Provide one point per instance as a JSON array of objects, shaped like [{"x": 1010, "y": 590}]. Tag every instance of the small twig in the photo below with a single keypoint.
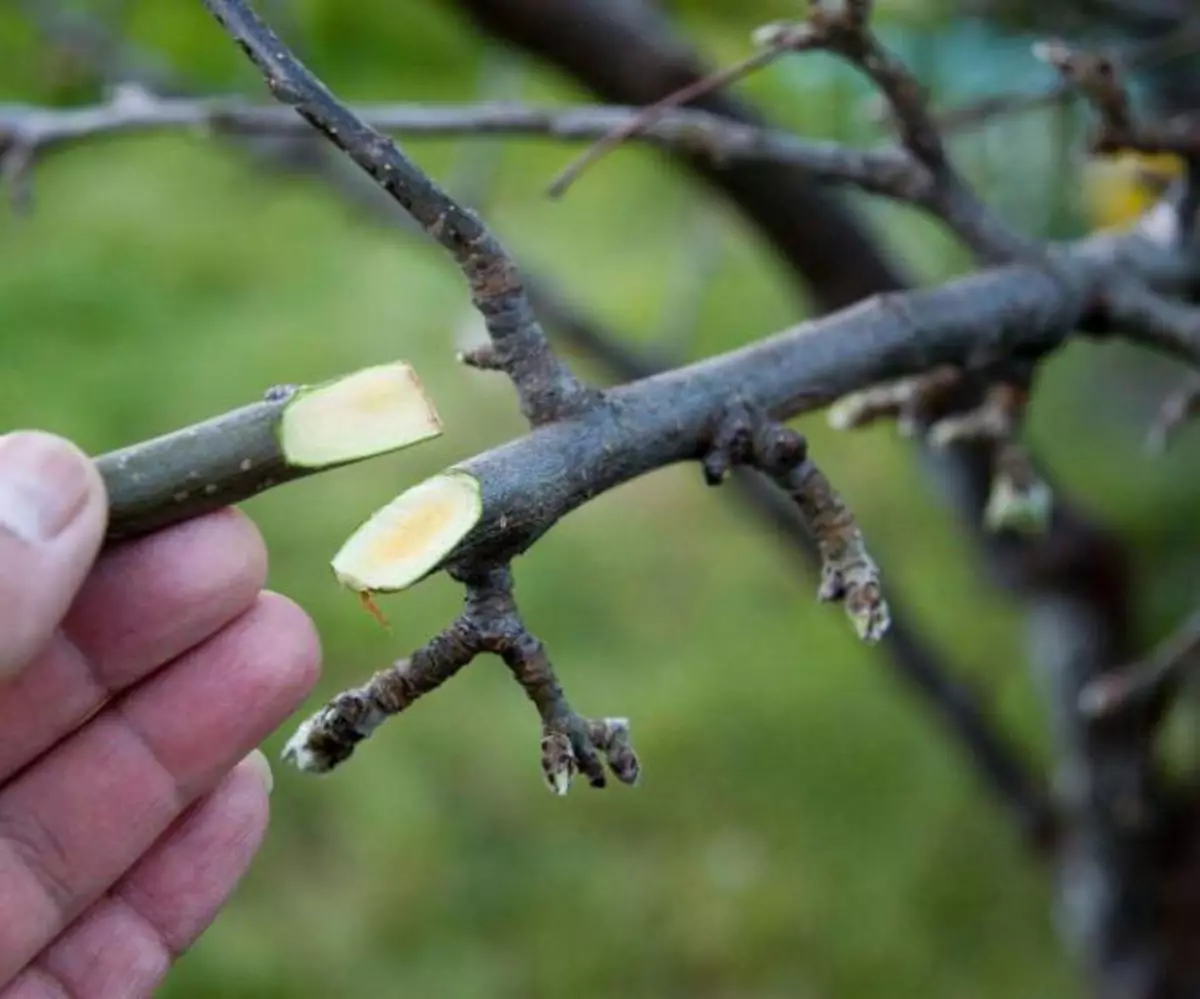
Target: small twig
[
  {"x": 844, "y": 30},
  {"x": 489, "y": 622},
  {"x": 1177, "y": 409},
  {"x": 1020, "y": 499},
  {"x": 848, "y": 573},
  {"x": 911, "y": 402},
  {"x": 654, "y": 113},
  {"x": 547, "y": 389},
  {"x": 1149, "y": 685}
]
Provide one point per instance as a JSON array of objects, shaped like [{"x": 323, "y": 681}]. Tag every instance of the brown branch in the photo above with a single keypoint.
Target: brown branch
[
  {"x": 848, "y": 573},
  {"x": 1148, "y": 686},
  {"x": 546, "y": 388}
]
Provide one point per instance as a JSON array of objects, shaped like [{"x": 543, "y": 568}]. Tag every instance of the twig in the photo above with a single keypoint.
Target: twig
[
  {"x": 930, "y": 405},
  {"x": 911, "y": 402},
  {"x": 987, "y": 109},
  {"x": 547, "y": 389},
  {"x": 1177, "y": 409},
  {"x": 744, "y": 436},
  {"x": 489, "y": 622},
  {"x": 1149, "y": 685},
  {"x": 641, "y": 122}
]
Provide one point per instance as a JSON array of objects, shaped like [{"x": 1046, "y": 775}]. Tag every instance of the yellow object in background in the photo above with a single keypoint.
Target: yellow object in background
[{"x": 1120, "y": 188}]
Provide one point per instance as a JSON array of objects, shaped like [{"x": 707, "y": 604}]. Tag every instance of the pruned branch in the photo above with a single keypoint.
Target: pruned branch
[{"x": 292, "y": 433}]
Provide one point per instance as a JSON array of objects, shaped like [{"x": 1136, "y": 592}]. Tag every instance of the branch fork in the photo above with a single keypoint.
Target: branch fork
[{"x": 570, "y": 743}]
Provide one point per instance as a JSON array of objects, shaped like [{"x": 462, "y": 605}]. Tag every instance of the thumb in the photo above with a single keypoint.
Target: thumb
[{"x": 52, "y": 518}]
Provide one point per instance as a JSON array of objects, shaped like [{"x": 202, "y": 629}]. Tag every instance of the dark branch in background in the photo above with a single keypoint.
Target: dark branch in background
[
  {"x": 629, "y": 54},
  {"x": 546, "y": 388},
  {"x": 844, "y": 31}
]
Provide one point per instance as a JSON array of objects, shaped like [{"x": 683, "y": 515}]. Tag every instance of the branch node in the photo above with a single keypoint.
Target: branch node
[{"x": 482, "y": 358}]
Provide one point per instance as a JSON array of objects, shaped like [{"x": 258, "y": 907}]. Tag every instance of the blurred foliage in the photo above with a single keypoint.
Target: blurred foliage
[{"x": 802, "y": 830}]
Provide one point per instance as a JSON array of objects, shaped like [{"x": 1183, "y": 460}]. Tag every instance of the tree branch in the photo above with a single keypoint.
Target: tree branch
[
  {"x": 546, "y": 388},
  {"x": 999, "y": 763},
  {"x": 30, "y": 132}
]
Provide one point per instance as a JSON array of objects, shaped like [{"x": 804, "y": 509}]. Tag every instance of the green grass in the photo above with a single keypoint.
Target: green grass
[{"x": 802, "y": 831}]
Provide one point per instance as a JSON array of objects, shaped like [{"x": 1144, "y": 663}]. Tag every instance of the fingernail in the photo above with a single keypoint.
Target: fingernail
[
  {"x": 43, "y": 485},
  {"x": 257, "y": 762}
]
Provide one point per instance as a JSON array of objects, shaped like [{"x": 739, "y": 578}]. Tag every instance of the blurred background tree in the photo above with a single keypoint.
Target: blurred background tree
[{"x": 803, "y": 833}]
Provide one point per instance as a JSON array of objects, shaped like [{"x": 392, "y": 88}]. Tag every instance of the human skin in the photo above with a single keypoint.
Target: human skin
[{"x": 135, "y": 685}]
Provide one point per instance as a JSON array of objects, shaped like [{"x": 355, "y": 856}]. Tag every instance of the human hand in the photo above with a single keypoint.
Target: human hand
[{"x": 133, "y": 689}]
